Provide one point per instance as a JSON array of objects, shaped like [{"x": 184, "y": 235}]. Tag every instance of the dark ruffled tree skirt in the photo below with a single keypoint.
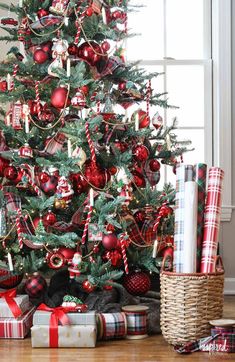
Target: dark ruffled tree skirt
[{"x": 103, "y": 301}]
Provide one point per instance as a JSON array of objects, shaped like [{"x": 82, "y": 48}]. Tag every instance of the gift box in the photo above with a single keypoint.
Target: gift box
[
  {"x": 68, "y": 336},
  {"x": 16, "y": 327},
  {"x": 55, "y": 327},
  {"x": 12, "y": 306}
]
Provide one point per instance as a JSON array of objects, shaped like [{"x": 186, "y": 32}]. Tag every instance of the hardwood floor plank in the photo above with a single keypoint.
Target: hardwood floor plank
[{"x": 152, "y": 349}]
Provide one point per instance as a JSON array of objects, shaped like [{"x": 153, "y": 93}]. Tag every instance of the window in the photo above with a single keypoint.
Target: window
[{"x": 187, "y": 40}]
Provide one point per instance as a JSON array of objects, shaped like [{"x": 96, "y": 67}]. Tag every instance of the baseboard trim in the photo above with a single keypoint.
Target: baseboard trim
[{"x": 229, "y": 286}]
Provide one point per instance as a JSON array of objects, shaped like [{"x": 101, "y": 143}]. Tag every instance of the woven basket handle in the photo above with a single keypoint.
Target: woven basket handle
[
  {"x": 167, "y": 263},
  {"x": 219, "y": 266}
]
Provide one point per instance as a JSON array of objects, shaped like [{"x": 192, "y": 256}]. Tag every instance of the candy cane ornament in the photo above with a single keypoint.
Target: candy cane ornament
[
  {"x": 15, "y": 71},
  {"x": 88, "y": 219},
  {"x": 38, "y": 100},
  {"x": 90, "y": 143},
  {"x": 79, "y": 23},
  {"x": 30, "y": 181},
  {"x": 18, "y": 227},
  {"x": 123, "y": 250},
  {"x": 160, "y": 215}
]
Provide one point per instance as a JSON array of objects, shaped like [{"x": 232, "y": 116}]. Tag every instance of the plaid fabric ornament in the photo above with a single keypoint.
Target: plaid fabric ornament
[{"x": 55, "y": 144}]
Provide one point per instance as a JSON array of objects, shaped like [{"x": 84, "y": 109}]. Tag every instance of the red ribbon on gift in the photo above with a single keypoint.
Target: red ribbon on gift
[
  {"x": 9, "y": 296},
  {"x": 58, "y": 314}
]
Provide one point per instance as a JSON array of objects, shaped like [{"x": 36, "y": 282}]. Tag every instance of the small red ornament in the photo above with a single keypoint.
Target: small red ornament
[
  {"x": 110, "y": 228},
  {"x": 35, "y": 285},
  {"x": 42, "y": 12},
  {"x": 67, "y": 253},
  {"x": 107, "y": 286},
  {"x": 3, "y": 86},
  {"x": 122, "y": 86},
  {"x": 46, "y": 47},
  {"x": 25, "y": 151},
  {"x": 40, "y": 56},
  {"x": 118, "y": 15},
  {"x": 90, "y": 52},
  {"x": 55, "y": 260},
  {"x": 105, "y": 46},
  {"x": 79, "y": 184},
  {"x": 84, "y": 89},
  {"x": 137, "y": 283},
  {"x": 114, "y": 256},
  {"x": 95, "y": 175},
  {"x": 9, "y": 281},
  {"x": 138, "y": 179},
  {"x": 120, "y": 145},
  {"x": 3, "y": 164},
  {"x": 44, "y": 177},
  {"x": 166, "y": 210},
  {"x": 140, "y": 153},
  {"x": 154, "y": 165},
  {"x": 109, "y": 241},
  {"x": 113, "y": 170},
  {"x": 11, "y": 173},
  {"x": 49, "y": 218},
  {"x": 59, "y": 96},
  {"x": 143, "y": 118},
  {"x": 87, "y": 286},
  {"x": 89, "y": 11},
  {"x": 95, "y": 249},
  {"x": 72, "y": 49}
]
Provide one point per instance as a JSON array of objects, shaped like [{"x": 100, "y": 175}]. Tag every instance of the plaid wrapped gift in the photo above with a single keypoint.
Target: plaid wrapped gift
[
  {"x": 111, "y": 325},
  {"x": 16, "y": 328}
]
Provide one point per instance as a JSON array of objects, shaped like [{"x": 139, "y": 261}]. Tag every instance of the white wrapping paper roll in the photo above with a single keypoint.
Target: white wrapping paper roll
[{"x": 190, "y": 229}]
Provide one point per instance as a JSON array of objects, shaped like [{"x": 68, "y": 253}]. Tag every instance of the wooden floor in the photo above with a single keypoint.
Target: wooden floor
[{"x": 150, "y": 349}]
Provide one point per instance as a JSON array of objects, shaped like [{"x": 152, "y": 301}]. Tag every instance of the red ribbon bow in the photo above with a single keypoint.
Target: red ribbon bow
[
  {"x": 9, "y": 296},
  {"x": 58, "y": 314}
]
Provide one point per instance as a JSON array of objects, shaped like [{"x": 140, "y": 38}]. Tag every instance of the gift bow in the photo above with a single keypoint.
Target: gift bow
[
  {"x": 58, "y": 314},
  {"x": 9, "y": 296}
]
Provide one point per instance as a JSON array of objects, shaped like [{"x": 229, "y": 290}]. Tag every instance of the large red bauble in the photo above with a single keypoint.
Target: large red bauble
[
  {"x": 138, "y": 179},
  {"x": 154, "y": 165},
  {"x": 8, "y": 280},
  {"x": 42, "y": 12},
  {"x": 87, "y": 286},
  {"x": 143, "y": 118},
  {"x": 46, "y": 47},
  {"x": 59, "y": 96},
  {"x": 80, "y": 185},
  {"x": 3, "y": 164},
  {"x": 90, "y": 52},
  {"x": 35, "y": 285},
  {"x": 140, "y": 153},
  {"x": 137, "y": 283},
  {"x": 49, "y": 218},
  {"x": 3, "y": 86},
  {"x": 67, "y": 253},
  {"x": 109, "y": 241},
  {"x": 44, "y": 177},
  {"x": 40, "y": 56},
  {"x": 72, "y": 49},
  {"x": 11, "y": 173},
  {"x": 95, "y": 175}
]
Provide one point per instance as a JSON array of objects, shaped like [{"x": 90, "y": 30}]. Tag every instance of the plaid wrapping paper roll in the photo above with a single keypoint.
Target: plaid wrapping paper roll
[
  {"x": 200, "y": 170},
  {"x": 111, "y": 325},
  {"x": 212, "y": 220},
  {"x": 183, "y": 173},
  {"x": 136, "y": 316},
  {"x": 16, "y": 328},
  {"x": 221, "y": 340}
]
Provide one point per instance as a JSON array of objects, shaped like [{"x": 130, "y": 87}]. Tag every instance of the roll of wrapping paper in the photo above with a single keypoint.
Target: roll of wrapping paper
[
  {"x": 212, "y": 220},
  {"x": 200, "y": 178},
  {"x": 136, "y": 316},
  {"x": 190, "y": 228},
  {"x": 183, "y": 173},
  {"x": 111, "y": 325}
]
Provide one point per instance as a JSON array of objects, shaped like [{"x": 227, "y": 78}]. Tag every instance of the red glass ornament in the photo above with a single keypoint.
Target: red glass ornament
[
  {"x": 143, "y": 117},
  {"x": 89, "y": 11},
  {"x": 40, "y": 56},
  {"x": 105, "y": 46},
  {"x": 110, "y": 228},
  {"x": 122, "y": 86},
  {"x": 138, "y": 179},
  {"x": 109, "y": 241},
  {"x": 87, "y": 286},
  {"x": 11, "y": 173},
  {"x": 44, "y": 177},
  {"x": 10, "y": 281},
  {"x": 137, "y": 283},
  {"x": 140, "y": 153},
  {"x": 42, "y": 12},
  {"x": 59, "y": 96},
  {"x": 108, "y": 287},
  {"x": 90, "y": 52},
  {"x": 3, "y": 86},
  {"x": 113, "y": 170},
  {"x": 18, "y": 178},
  {"x": 72, "y": 49},
  {"x": 35, "y": 285},
  {"x": 95, "y": 249},
  {"x": 118, "y": 15},
  {"x": 154, "y": 165},
  {"x": 120, "y": 146},
  {"x": 3, "y": 164},
  {"x": 79, "y": 184},
  {"x": 46, "y": 47},
  {"x": 67, "y": 253},
  {"x": 84, "y": 89},
  {"x": 95, "y": 175},
  {"x": 49, "y": 218}
]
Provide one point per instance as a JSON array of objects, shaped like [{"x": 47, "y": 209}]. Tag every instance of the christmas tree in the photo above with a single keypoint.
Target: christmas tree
[{"x": 81, "y": 153}]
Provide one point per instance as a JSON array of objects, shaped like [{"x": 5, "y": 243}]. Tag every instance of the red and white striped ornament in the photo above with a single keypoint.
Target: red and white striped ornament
[
  {"x": 15, "y": 71},
  {"x": 123, "y": 250},
  {"x": 79, "y": 23},
  {"x": 90, "y": 143},
  {"x": 38, "y": 100},
  {"x": 88, "y": 219},
  {"x": 29, "y": 178},
  {"x": 18, "y": 227}
]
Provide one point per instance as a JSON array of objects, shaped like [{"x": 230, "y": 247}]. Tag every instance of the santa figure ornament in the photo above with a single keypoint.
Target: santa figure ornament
[
  {"x": 74, "y": 267},
  {"x": 59, "y": 6},
  {"x": 64, "y": 190},
  {"x": 59, "y": 54}
]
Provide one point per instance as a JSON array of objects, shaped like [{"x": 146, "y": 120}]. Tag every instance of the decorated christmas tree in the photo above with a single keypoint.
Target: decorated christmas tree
[{"x": 81, "y": 150}]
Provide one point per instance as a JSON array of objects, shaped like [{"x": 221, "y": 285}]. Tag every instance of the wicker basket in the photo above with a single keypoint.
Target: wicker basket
[{"x": 189, "y": 302}]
